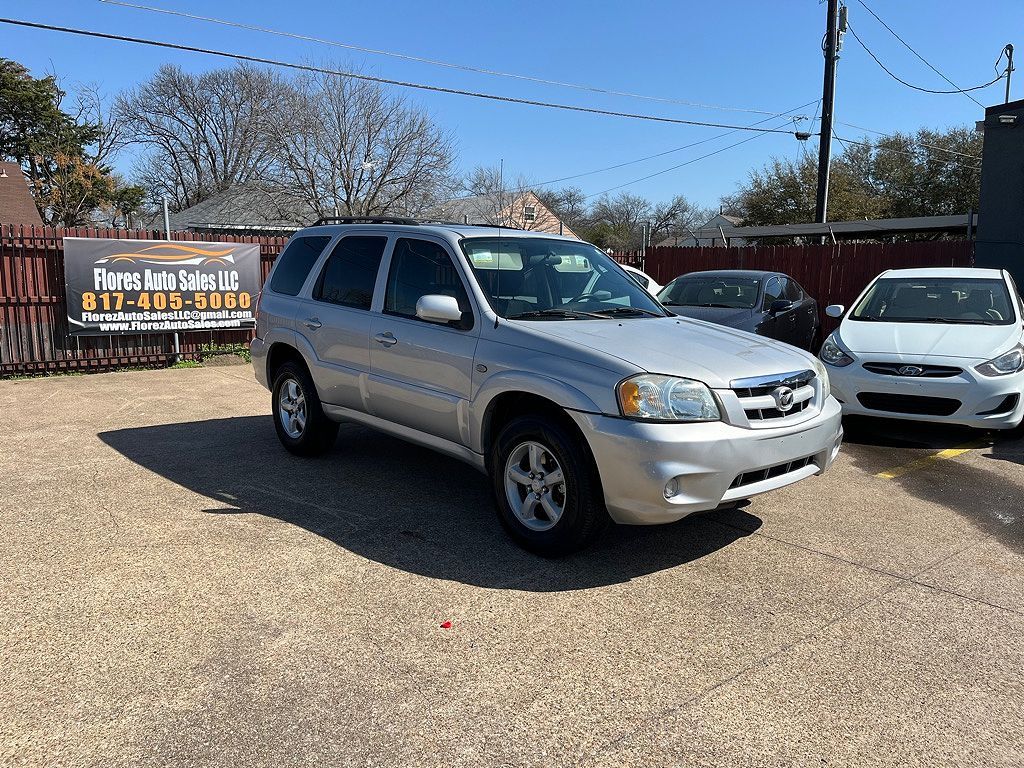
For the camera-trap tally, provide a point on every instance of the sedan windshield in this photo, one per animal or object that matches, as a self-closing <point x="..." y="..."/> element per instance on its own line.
<point x="732" y="292"/>
<point x="532" y="278"/>
<point x="973" y="301"/>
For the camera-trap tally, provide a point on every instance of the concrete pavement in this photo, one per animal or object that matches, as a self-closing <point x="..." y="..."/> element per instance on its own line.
<point x="178" y="590"/>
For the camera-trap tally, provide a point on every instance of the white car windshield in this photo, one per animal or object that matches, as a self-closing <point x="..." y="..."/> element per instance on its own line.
<point x="974" y="301"/>
<point x="532" y="278"/>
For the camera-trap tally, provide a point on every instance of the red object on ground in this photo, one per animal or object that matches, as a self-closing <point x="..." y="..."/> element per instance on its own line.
<point x="446" y="625"/>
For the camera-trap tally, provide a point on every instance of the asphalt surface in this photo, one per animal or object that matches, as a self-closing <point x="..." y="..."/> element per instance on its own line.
<point x="178" y="590"/>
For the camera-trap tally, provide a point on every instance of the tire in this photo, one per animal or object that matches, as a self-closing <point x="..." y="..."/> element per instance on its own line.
<point x="295" y="394"/>
<point x="578" y="499"/>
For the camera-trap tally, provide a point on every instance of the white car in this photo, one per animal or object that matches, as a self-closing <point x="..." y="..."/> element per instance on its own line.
<point x="932" y="345"/>
<point x="646" y="281"/>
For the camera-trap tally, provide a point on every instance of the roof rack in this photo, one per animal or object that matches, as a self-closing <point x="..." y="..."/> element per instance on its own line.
<point x="363" y="220"/>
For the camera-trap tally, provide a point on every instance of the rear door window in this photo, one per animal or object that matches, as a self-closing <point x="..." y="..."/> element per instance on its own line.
<point x="294" y="263"/>
<point x="350" y="273"/>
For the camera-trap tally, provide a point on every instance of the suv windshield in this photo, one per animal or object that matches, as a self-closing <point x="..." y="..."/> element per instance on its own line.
<point x="733" y="292"/>
<point x="539" y="279"/>
<point x="975" y="301"/>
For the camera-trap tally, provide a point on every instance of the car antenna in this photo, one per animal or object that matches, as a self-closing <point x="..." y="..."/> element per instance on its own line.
<point x="497" y="256"/>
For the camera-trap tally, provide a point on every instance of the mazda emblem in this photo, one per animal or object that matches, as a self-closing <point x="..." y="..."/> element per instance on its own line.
<point x="910" y="370"/>
<point x="783" y="398"/>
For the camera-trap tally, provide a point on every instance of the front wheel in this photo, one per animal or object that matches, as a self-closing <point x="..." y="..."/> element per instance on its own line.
<point x="546" y="488"/>
<point x="302" y="426"/>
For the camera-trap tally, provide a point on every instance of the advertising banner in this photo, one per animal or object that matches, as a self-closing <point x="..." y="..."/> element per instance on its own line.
<point x="154" y="286"/>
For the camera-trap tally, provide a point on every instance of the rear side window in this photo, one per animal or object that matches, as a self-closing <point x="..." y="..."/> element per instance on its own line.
<point x="793" y="291"/>
<point x="421" y="268"/>
<point x="349" y="275"/>
<point x="772" y="291"/>
<point x="294" y="263"/>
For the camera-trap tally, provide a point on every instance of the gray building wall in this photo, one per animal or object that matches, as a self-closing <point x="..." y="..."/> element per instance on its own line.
<point x="1000" y="237"/>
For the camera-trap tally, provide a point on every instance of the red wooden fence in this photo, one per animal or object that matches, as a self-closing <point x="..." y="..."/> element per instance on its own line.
<point x="33" y="317"/>
<point x="833" y="274"/>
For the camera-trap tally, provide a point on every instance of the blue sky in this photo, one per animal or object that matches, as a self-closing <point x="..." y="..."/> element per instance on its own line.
<point x="745" y="53"/>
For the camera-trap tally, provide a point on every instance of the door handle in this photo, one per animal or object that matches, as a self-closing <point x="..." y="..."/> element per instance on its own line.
<point x="312" y="323"/>
<point x="387" y="339"/>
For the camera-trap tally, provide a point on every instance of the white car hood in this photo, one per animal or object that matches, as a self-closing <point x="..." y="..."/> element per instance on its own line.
<point x="975" y="342"/>
<point x="679" y="346"/>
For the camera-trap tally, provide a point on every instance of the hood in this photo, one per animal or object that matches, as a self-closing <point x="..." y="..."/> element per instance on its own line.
<point x="679" y="346"/>
<point x="973" y="342"/>
<point x="730" y="316"/>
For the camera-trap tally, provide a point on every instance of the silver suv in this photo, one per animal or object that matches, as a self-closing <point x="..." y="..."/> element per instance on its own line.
<point x="538" y="360"/>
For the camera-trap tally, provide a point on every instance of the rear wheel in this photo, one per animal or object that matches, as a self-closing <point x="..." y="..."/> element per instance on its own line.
<point x="545" y="487"/>
<point x="302" y="426"/>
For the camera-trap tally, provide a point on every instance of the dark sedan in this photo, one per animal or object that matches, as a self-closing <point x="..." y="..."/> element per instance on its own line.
<point x="766" y="303"/>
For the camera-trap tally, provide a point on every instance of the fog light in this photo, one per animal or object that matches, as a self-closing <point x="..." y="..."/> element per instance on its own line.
<point x="672" y="488"/>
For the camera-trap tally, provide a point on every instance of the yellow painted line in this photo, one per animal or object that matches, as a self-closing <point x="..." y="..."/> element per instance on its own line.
<point x="927" y="461"/>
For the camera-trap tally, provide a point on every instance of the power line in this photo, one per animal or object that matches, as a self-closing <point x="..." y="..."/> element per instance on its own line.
<point x="877" y="148"/>
<point x="638" y="160"/>
<point x="898" y="79"/>
<point x="910" y="138"/>
<point x="910" y="48"/>
<point x="433" y="62"/>
<point x="381" y="80"/>
<point x="763" y="132"/>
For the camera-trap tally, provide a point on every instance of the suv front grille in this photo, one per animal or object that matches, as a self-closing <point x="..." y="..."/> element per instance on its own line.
<point x="918" y="405"/>
<point x="917" y="371"/>
<point x="760" y="475"/>
<point x="758" y="396"/>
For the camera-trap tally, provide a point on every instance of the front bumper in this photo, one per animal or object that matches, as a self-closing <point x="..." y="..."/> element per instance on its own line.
<point x="636" y="460"/>
<point x="977" y="394"/>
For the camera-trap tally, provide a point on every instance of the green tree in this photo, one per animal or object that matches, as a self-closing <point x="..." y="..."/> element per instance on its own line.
<point x="60" y="154"/>
<point x="927" y="173"/>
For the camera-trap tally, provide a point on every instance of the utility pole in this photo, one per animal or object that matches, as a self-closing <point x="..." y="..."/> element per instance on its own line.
<point x="1008" y="50"/>
<point x="828" y="103"/>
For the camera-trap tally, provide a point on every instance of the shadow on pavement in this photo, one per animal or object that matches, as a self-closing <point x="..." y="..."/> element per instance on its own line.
<point x="896" y="433"/>
<point x="401" y="505"/>
<point x="991" y="501"/>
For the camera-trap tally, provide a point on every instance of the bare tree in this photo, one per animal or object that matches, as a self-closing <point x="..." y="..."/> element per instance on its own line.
<point x="618" y="222"/>
<point x="344" y="146"/>
<point x="569" y="204"/>
<point x="202" y="133"/>
<point x="492" y="197"/>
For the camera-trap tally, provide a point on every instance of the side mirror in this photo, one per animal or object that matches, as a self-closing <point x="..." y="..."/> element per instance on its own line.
<point x="835" y="310"/>
<point x="780" y="305"/>
<point x="435" y="308"/>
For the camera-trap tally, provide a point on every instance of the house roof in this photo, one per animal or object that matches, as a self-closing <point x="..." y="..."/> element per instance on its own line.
<point x="16" y="203"/>
<point x="242" y="207"/>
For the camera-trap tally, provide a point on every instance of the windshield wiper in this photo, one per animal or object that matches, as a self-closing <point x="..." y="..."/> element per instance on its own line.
<point x="629" y="310"/>
<point x="954" y="321"/>
<point x="679" y="304"/>
<point x="562" y="314"/>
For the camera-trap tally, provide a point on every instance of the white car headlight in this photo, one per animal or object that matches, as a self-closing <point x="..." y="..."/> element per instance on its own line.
<point x="666" y="398"/>
<point x="833" y="354"/>
<point x="1005" y="364"/>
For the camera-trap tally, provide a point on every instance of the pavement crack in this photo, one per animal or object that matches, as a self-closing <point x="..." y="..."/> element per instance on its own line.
<point x="912" y="579"/>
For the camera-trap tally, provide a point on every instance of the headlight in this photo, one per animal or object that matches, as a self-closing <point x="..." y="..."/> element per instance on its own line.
<point x="666" y="398"/>
<point x="1005" y="364"/>
<point x="826" y="385"/>
<point x="832" y="354"/>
